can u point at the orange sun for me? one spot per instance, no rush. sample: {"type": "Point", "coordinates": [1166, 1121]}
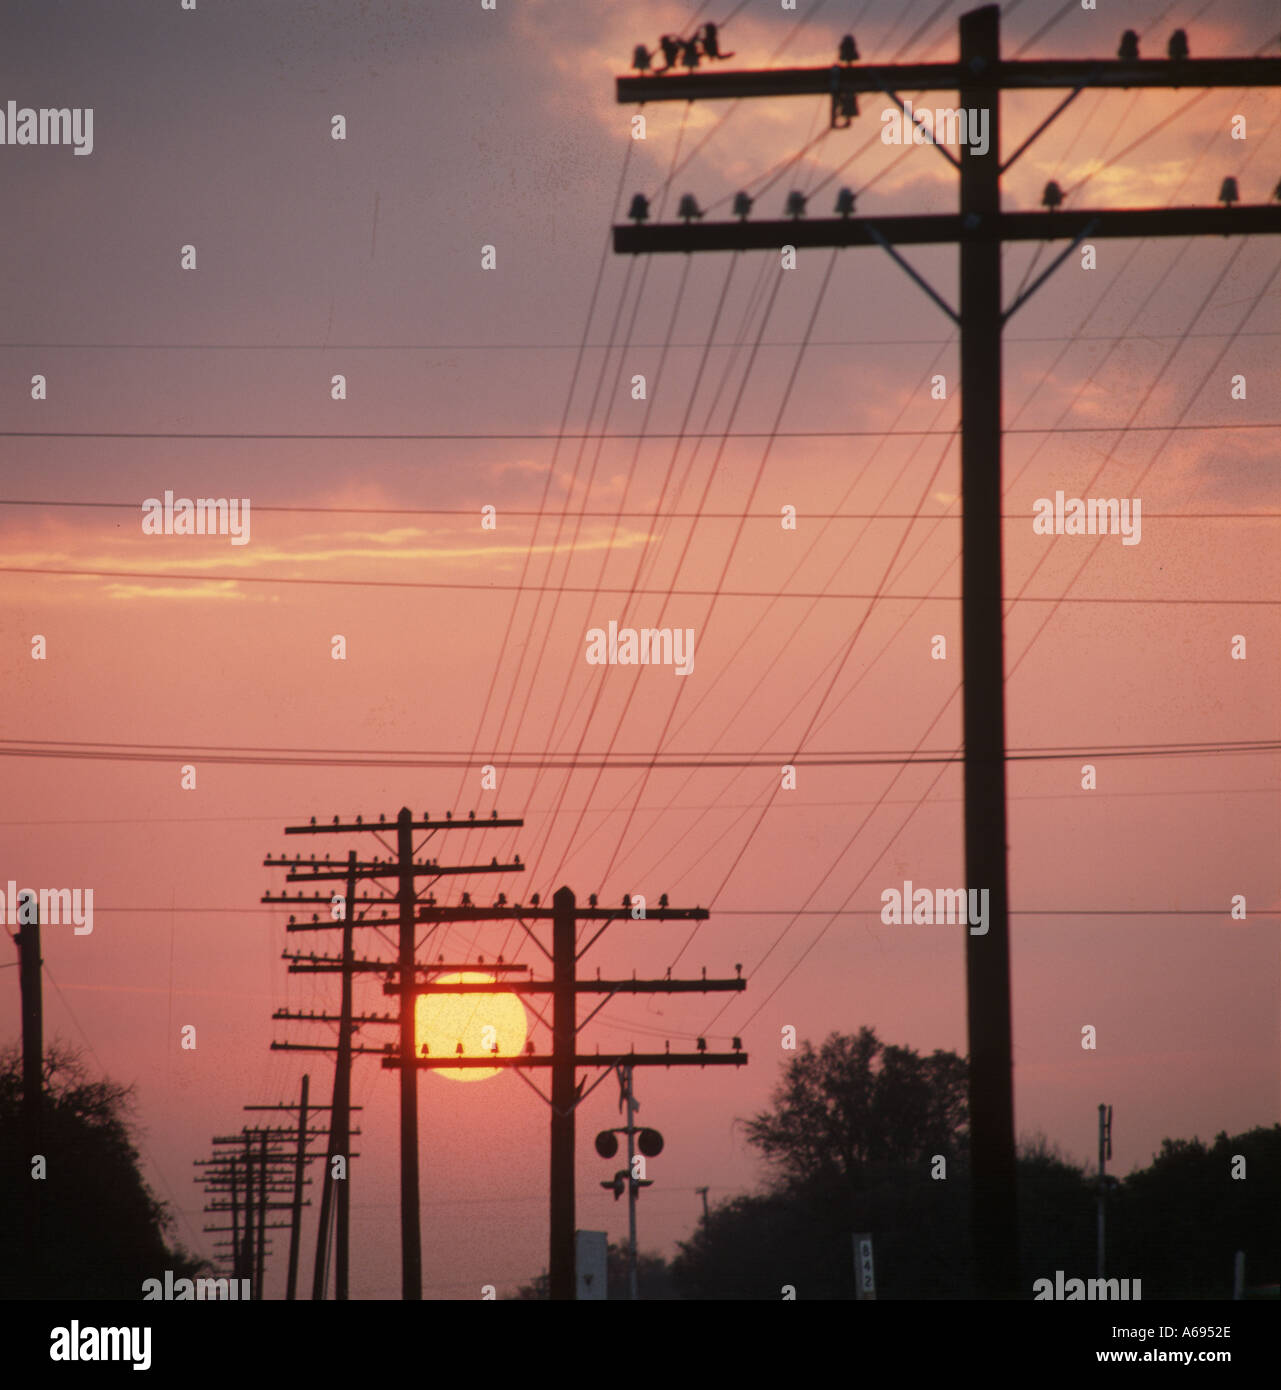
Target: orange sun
{"type": "Point", "coordinates": [480, 1022]}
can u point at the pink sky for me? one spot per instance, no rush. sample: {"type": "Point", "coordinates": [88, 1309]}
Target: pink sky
{"type": "Point", "coordinates": [318, 258]}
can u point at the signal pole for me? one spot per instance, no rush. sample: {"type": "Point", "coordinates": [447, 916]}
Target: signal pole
{"type": "Point", "coordinates": [980, 228]}
{"type": "Point", "coordinates": [633, 1290]}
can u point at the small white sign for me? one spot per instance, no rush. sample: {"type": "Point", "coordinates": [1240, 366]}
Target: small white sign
{"type": "Point", "coordinates": [864, 1274]}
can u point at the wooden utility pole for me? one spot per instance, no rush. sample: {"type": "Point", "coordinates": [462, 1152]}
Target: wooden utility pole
{"type": "Point", "coordinates": [31, 987]}
{"type": "Point", "coordinates": [300, 1166]}
{"type": "Point", "coordinates": [300, 1159]}
{"type": "Point", "coordinates": [260, 1270]}
{"type": "Point", "coordinates": [410, 1230]}
{"type": "Point", "coordinates": [564, 1097]}
{"type": "Point", "coordinates": [565, 1059]}
{"type": "Point", "coordinates": [408, 874]}
{"type": "Point", "coordinates": [1105, 1152]}
{"type": "Point", "coordinates": [979, 228]}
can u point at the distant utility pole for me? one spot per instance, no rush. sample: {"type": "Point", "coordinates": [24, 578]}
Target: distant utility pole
{"type": "Point", "coordinates": [237, 1177]}
{"type": "Point", "coordinates": [702, 1192]}
{"type": "Point", "coordinates": [405, 872]}
{"type": "Point", "coordinates": [1105, 1152]}
{"type": "Point", "coordinates": [564, 1059]}
{"type": "Point", "coordinates": [980, 228]}
{"type": "Point", "coordinates": [300, 1163]}
{"type": "Point", "coordinates": [272, 1165]}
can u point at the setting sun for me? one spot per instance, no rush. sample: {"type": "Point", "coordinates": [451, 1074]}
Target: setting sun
{"type": "Point", "coordinates": [483, 1023]}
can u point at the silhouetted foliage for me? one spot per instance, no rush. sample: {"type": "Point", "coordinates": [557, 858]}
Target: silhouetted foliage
{"type": "Point", "coordinates": [1178, 1223]}
{"type": "Point", "coordinates": [101, 1229]}
{"type": "Point", "coordinates": [854, 1140]}
{"type": "Point", "coordinates": [858, 1101]}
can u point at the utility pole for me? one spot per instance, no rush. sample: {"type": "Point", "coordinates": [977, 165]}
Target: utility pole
{"type": "Point", "coordinates": [979, 228]}
{"type": "Point", "coordinates": [1105, 1152]}
{"type": "Point", "coordinates": [565, 1059]}
{"type": "Point", "coordinates": [262, 1216]}
{"type": "Point", "coordinates": [564, 1097]}
{"type": "Point", "coordinates": [31, 987]}
{"type": "Point", "coordinates": [295, 1230]}
{"type": "Point", "coordinates": [264, 1170]}
{"type": "Point", "coordinates": [702, 1192]}
{"type": "Point", "coordinates": [633, 1290]}
{"type": "Point", "coordinates": [406, 872]}
{"type": "Point", "coordinates": [301, 1158]}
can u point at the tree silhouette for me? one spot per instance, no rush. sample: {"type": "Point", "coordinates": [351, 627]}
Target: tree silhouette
{"type": "Point", "coordinates": [857, 1102]}
{"type": "Point", "coordinates": [101, 1229]}
{"type": "Point", "coordinates": [1178, 1223]}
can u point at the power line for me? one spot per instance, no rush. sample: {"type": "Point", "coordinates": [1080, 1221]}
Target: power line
{"type": "Point", "coordinates": [645, 514]}
{"type": "Point", "coordinates": [524, 436]}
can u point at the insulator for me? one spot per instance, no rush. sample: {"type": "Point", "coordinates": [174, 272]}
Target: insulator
{"type": "Point", "coordinates": [1129, 50]}
{"type": "Point", "coordinates": [1228, 193]}
{"type": "Point", "coordinates": [640, 58]}
{"type": "Point", "coordinates": [742, 206]}
{"type": "Point", "coordinates": [688, 208]}
{"type": "Point", "coordinates": [1052, 197]}
{"type": "Point", "coordinates": [845, 202]}
{"type": "Point", "coordinates": [796, 201]}
{"type": "Point", "coordinates": [1178, 49]}
{"type": "Point", "coordinates": [848, 51]}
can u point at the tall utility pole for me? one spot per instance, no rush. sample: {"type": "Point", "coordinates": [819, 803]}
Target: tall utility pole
{"type": "Point", "coordinates": [564, 1097]}
{"type": "Point", "coordinates": [1105, 1152]}
{"type": "Point", "coordinates": [979, 228]}
{"type": "Point", "coordinates": [406, 872]}
{"type": "Point", "coordinates": [30, 984]}
{"type": "Point", "coordinates": [565, 1059]}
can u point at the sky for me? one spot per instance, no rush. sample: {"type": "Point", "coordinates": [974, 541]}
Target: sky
{"type": "Point", "coordinates": [465, 647]}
